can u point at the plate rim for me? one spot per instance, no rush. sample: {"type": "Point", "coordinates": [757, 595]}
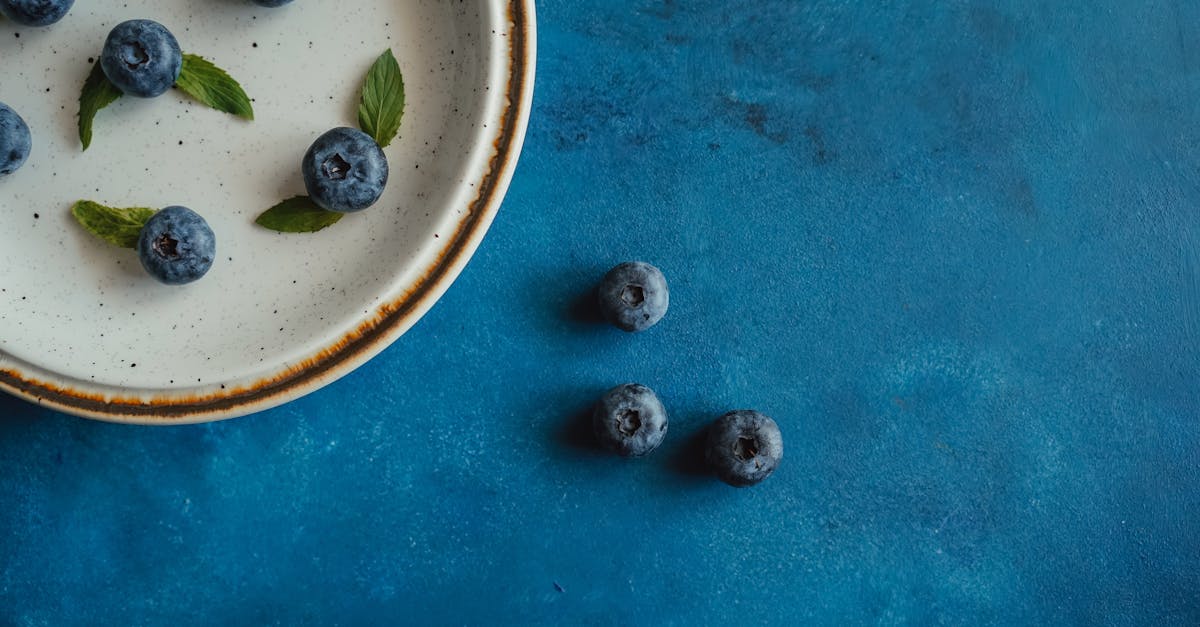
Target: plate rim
{"type": "Point", "coordinates": [374, 333]}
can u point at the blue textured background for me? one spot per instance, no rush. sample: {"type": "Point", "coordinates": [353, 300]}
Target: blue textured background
{"type": "Point", "coordinates": [953, 247]}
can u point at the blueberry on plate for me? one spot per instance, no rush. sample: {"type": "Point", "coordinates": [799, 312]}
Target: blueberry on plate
{"type": "Point", "coordinates": [271, 3]}
{"type": "Point", "coordinates": [630, 420]}
{"type": "Point", "coordinates": [744, 447]}
{"type": "Point", "coordinates": [15, 141]}
{"type": "Point", "coordinates": [176, 246]}
{"type": "Point", "coordinates": [142, 58]}
{"type": "Point", "coordinates": [345, 170]}
{"type": "Point", "coordinates": [35, 12]}
{"type": "Point", "coordinates": [633, 296]}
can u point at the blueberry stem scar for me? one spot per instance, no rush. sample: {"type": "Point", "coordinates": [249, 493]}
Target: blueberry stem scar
{"type": "Point", "coordinates": [745, 448]}
{"type": "Point", "coordinates": [633, 295]}
{"type": "Point", "coordinates": [336, 168]}
{"type": "Point", "coordinates": [135, 55]}
{"type": "Point", "coordinates": [629, 422]}
{"type": "Point", "coordinates": [167, 246]}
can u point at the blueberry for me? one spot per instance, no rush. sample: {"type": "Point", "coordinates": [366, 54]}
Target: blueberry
{"type": "Point", "coordinates": [633, 296]}
{"type": "Point", "coordinates": [345, 170]}
{"type": "Point", "coordinates": [142, 58]}
{"type": "Point", "coordinates": [744, 447]}
{"type": "Point", "coordinates": [176, 246]}
{"type": "Point", "coordinates": [630, 420]}
{"type": "Point", "coordinates": [15, 141]}
{"type": "Point", "coordinates": [271, 3]}
{"type": "Point", "coordinates": [35, 12]}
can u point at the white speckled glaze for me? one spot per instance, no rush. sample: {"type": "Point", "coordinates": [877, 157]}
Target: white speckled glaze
{"type": "Point", "coordinates": [80, 318]}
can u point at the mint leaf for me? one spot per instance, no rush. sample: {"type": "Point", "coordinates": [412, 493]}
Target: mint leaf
{"type": "Point", "coordinates": [298, 215]}
{"type": "Point", "coordinates": [382, 103]}
{"type": "Point", "coordinates": [211, 86]}
{"type": "Point", "coordinates": [98, 92]}
{"type": "Point", "coordinates": [115, 226]}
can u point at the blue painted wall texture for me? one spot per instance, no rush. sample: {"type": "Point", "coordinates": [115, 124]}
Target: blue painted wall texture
{"type": "Point", "coordinates": [953, 247]}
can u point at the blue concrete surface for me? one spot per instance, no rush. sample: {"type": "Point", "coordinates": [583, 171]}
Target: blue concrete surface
{"type": "Point", "coordinates": [953, 247]}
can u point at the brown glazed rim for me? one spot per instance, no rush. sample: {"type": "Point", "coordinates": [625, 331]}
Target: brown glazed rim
{"type": "Point", "coordinates": [372, 335]}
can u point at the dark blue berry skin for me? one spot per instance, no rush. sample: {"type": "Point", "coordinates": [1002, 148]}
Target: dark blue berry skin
{"type": "Point", "coordinates": [142, 58]}
{"type": "Point", "coordinates": [633, 296]}
{"type": "Point", "coordinates": [271, 3]}
{"type": "Point", "coordinates": [35, 12]}
{"type": "Point", "coordinates": [744, 447]}
{"type": "Point", "coordinates": [345, 170]}
{"type": "Point", "coordinates": [630, 420]}
{"type": "Point", "coordinates": [176, 246]}
{"type": "Point", "coordinates": [15, 140]}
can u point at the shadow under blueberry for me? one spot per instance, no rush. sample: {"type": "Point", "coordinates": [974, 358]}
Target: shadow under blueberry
{"type": "Point", "coordinates": [585, 309]}
{"type": "Point", "coordinates": [688, 458]}
{"type": "Point", "coordinates": [576, 432]}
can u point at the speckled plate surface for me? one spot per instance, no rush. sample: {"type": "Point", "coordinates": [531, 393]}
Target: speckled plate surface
{"type": "Point", "coordinates": [84, 330]}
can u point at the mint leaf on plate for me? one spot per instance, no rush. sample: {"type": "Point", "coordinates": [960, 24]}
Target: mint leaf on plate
{"type": "Point", "coordinates": [379, 111]}
{"type": "Point", "coordinates": [298, 215]}
{"type": "Point", "coordinates": [115, 226]}
{"type": "Point", "coordinates": [210, 85]}
{"type": "Point", "coordinates": [97, 93]}
{"type": "Point", "coordinates": [382, 103]}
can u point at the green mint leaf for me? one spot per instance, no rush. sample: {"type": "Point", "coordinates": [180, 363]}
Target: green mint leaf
{"type": "Point", "coordinates": [98, 92]}
{"type": "Point", "coordinates": [382, 103]}
{"type": "Point", "coordinates": [115, 226]}
{"type": "Point", "coordinates": [298, 215]}
{"type": "Point", "coordinates": [211, 86]}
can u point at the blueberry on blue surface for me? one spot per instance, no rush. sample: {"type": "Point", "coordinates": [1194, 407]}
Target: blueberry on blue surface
{"type": "Point", "coordinates": [142, 58]}
{"type": "Point", "coordinates": [271, 3]}
{"type": "Point", "coordinates": [744, 447]}
{"type": "Point", "coordinates": [15, 141]}
{"type": "Point", "coordinates": [630, 420]}
{"type": "Point", "coordinates": [35, 12]}
{"type": "Point", "coordinates": [633, 296]}
{"type": "Point", "coordinates": [345, 170]}
{"type": "Point", "coordinates": [176, 246]}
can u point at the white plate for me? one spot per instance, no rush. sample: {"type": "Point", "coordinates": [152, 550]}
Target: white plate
{"type": "Point", "coordinates": [85, 330]}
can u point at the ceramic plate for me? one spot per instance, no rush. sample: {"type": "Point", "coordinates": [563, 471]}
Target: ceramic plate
{"type": "Point", "coordinates": [83, 329]}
